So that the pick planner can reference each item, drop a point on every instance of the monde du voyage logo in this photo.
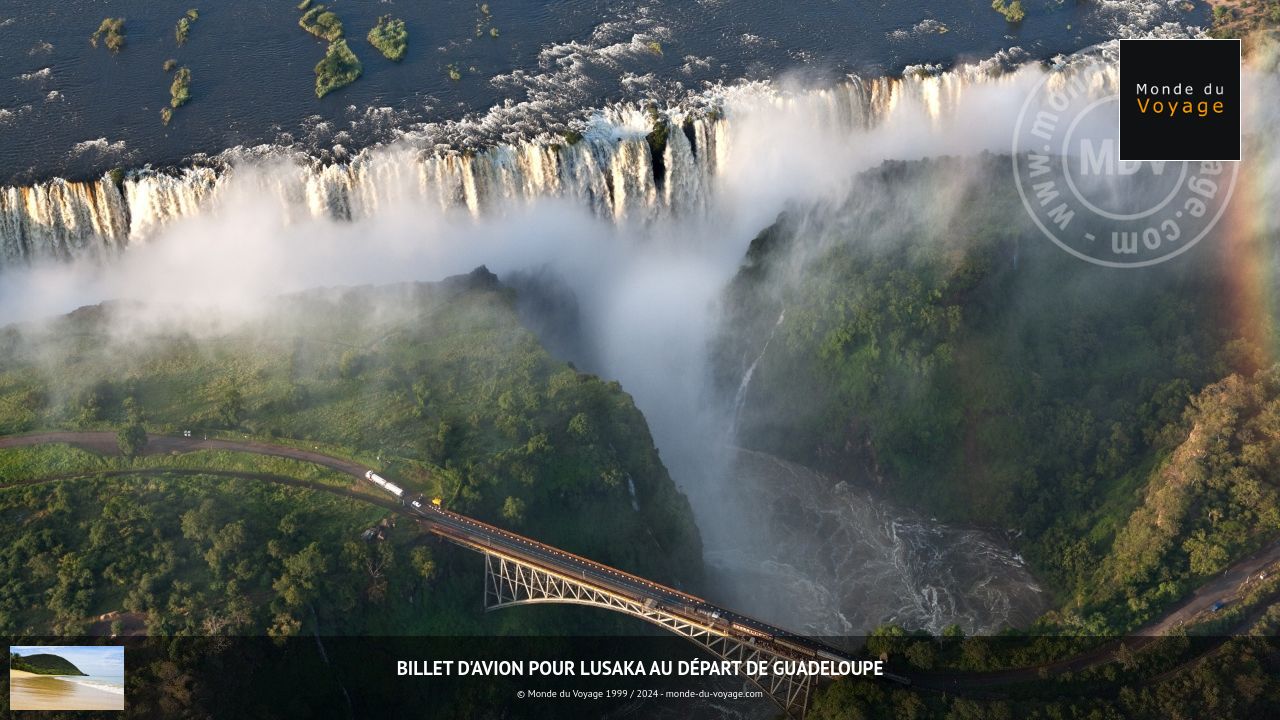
(1136, 177)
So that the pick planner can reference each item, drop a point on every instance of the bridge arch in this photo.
(510, 582)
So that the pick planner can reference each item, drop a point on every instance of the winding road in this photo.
(1225, 586)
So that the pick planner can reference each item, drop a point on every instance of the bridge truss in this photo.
(510, 581)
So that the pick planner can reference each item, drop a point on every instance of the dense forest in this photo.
(922, 330)
(437, 386)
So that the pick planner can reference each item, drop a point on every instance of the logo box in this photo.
(1180, 100)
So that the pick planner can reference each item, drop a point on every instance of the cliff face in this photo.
(44, 664)
(919, 330)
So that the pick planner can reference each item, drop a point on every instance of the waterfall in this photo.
(62, 220)
(740, 398)
(631, 488)
(610, 167)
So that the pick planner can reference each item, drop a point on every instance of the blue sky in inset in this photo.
(91, 659)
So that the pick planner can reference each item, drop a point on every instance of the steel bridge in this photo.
(522, 571)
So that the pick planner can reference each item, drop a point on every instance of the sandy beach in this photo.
(28, 691)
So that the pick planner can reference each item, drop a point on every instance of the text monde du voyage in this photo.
(1179, 99)
(635, 668)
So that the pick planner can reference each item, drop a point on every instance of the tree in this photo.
(580, 427)
(513, 510)
(94, 403)
(423, 563)
(349, 365)
(922, 654)
(132, 439)
(302, 572)
(231, 407)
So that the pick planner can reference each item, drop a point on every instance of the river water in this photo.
(838, 561)
(69, 109)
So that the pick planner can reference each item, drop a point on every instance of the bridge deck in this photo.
(483, 537)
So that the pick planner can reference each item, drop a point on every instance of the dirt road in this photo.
(105, 443)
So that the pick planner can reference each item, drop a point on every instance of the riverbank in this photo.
(28, 691)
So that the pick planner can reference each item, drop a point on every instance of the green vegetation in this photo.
(339, 67)
(660, 133)
(166, 115)
(1226, 666)
(304, 4)
(173, 555)
(180, 88)
(43, 664)
(183, 29)
(1211, 499)
(1238, 680)
(1012, 11)
(454, 74)
(132, 439)
(1128, 428)
(657, 139)
(390, 37)
(1247, 20)
(322, 23)
(1121, 424)
(111, 32)
(437, 386)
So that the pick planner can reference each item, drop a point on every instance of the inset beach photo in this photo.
(66, 677)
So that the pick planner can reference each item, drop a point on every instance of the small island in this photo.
(179, 92)
(180, 89)
(390, 37)
(322, 23)
(183, 28)
(111, 32)
(1012, 11)
(339, 67)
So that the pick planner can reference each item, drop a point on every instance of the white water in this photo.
(611, 171)
(740, 398)
(631, 489)
(841, 562)
(108, 683)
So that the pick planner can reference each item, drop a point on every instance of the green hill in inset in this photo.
(44, 664)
